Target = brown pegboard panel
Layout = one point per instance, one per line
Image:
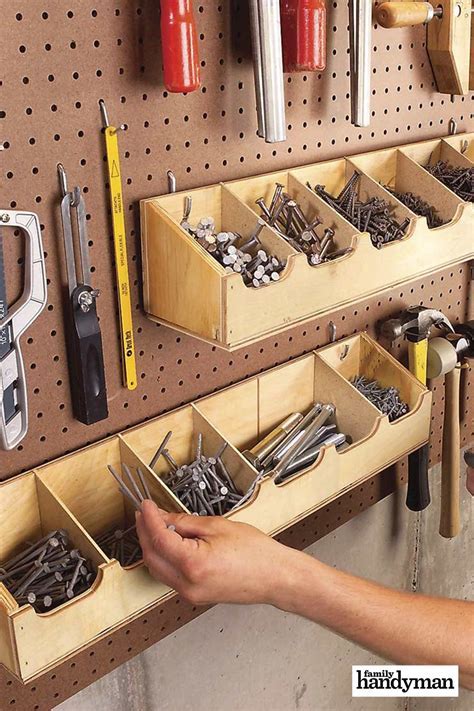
(60, 59)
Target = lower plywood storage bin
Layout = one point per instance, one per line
(78, 494)
(184, 287)
(30, 641)
(243, 414)
(186, 424)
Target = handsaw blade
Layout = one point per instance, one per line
(5, 338)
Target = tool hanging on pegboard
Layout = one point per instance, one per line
(265, 30)
(448, 356)
(360, 51)
(14, 322)
(86, 360)
(415, 325)
(179, 46)
(448, 37)
(129, 368)
(303, 34)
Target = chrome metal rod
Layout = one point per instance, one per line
(257, 66)
(310, 455)
(300, 446)
(272, 70)
(360, 33)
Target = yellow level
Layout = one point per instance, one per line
(120, 247)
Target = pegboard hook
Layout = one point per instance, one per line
(105, 118)
(62, 179)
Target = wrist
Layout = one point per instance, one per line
(297, 573)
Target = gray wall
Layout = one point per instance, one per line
(257, 658)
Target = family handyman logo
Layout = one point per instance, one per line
(394, 680)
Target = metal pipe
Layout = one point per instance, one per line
(300, 446)
(360, 33)
(268, 68)
(310, 455)
(310, 415)
(257, 66)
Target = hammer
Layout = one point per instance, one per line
(445, 357)
(415, 324)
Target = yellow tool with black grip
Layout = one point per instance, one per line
(129, 369)
(415, 324)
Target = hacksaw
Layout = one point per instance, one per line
(14, 322)
(129, 370)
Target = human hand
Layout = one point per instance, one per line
(209, 559)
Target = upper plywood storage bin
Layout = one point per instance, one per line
(187, 289)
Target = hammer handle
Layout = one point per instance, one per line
(449, 524)
(403, 14)
(418, 492)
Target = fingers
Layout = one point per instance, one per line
(160, 568)
(187, 526)
(166, 542)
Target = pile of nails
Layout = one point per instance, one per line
(204, 485)
(459, 180)
(122, 545)
(419, 206)
(47, 573)
(288, 219)
(249, 259)
(387, 400)
(373, 216)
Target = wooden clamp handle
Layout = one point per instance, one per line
(449, 524)
(403, 14)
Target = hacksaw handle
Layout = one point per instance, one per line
(403, 14)
(179, 46)
(449, 524)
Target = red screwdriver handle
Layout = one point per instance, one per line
(179, 46)
(303, 30)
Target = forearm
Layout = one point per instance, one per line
(403, 627)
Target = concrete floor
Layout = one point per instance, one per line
(258, 659)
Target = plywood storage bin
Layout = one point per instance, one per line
(31, 641)
(186, 424)
(421, 251)
(186, 288)
(246, 412)
(464, 143)
(83, 484)
(77, 493)
(430, 152)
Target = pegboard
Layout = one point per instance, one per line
(449, 287)
(61, 58)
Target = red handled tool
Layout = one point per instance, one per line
(179, 43)
(303, 32)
